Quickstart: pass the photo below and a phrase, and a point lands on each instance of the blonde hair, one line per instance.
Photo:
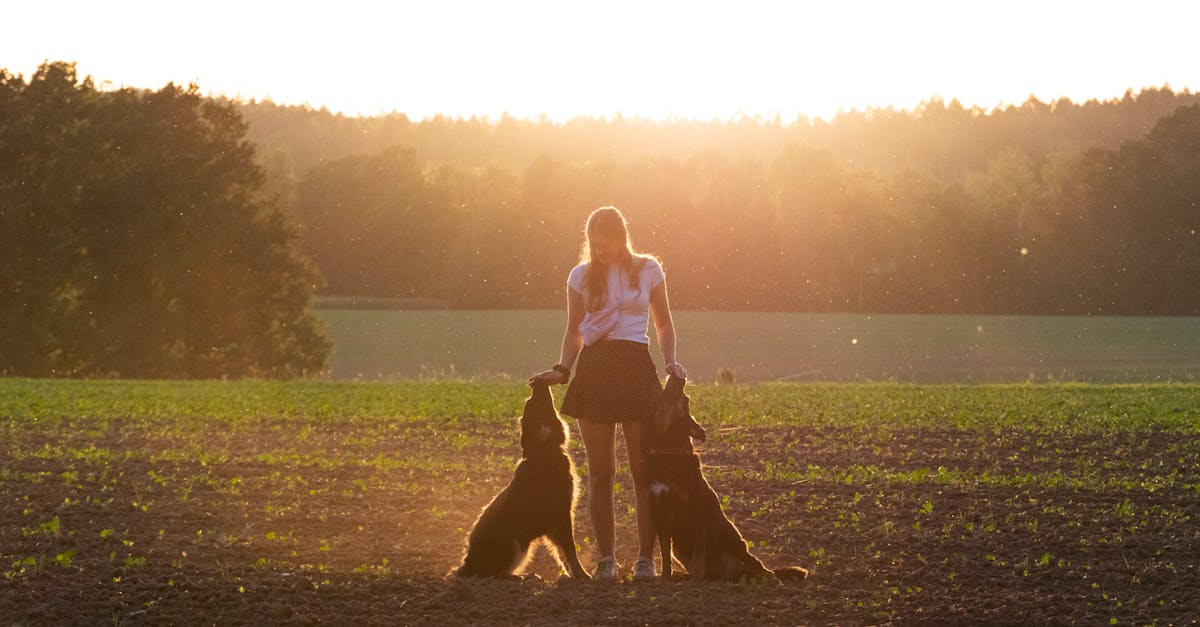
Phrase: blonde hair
(610, 223)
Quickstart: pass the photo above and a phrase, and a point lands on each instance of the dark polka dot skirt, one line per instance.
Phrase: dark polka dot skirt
(615, 381)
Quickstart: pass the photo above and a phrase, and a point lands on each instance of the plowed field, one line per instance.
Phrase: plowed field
(231, 503)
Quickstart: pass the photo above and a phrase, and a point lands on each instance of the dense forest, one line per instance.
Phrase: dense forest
(1049, 208)
(167, 234)
(138, 238)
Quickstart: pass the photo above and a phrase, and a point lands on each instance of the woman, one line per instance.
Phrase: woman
(610, 296)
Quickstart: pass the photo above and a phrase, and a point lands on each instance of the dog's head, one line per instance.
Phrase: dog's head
(542, 431)
(673, 425)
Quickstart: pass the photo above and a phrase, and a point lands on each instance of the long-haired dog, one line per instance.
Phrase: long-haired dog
(687, 513)
(538, 502)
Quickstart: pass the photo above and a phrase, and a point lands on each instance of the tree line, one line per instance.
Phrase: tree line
(160, 233)
(138, 238)
(943, 138)
(1037, 209)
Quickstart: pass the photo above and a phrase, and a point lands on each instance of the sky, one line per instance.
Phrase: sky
(645, 58)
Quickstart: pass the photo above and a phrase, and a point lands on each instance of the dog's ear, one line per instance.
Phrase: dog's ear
(694, 428)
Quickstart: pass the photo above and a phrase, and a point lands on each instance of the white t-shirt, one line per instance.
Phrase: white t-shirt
(634, 308)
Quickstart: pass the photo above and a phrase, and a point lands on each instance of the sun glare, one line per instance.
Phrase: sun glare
(654, 60)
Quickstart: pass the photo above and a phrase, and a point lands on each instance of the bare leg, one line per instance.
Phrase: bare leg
(599, 441)
(641, 488)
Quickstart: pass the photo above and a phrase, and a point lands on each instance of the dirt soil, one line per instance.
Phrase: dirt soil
(251, 535)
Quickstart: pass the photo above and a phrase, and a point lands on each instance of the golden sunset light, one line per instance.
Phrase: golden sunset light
(692, 60)
(550, 312)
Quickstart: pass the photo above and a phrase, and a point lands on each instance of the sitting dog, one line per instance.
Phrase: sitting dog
(538, 502)
(687, 513)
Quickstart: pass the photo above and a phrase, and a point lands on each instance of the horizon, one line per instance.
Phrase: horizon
(661, 61)
(738, 116)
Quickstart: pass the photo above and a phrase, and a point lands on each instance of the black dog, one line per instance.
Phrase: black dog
(539, 501)
(687, 513)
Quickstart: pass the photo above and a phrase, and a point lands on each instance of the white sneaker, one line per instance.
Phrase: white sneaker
(606, 568)
(643, 570)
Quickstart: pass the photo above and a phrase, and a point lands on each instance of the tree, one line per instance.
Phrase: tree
(947, 209)
(374, 225)
(1162, 174)
(144, 245)
(1004, 197)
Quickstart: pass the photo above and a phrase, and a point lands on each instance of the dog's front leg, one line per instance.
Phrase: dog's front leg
(700, 554)
(664, 543)
(563, 538)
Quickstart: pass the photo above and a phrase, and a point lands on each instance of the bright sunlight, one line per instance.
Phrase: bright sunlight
(664, 59)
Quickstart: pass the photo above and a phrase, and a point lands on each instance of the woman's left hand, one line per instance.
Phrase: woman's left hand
(550, 377)
(677, 370)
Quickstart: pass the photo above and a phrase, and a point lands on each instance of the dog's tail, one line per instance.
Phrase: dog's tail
(791, 573)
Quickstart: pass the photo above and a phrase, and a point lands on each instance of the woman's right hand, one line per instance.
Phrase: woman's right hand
(552, 377)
